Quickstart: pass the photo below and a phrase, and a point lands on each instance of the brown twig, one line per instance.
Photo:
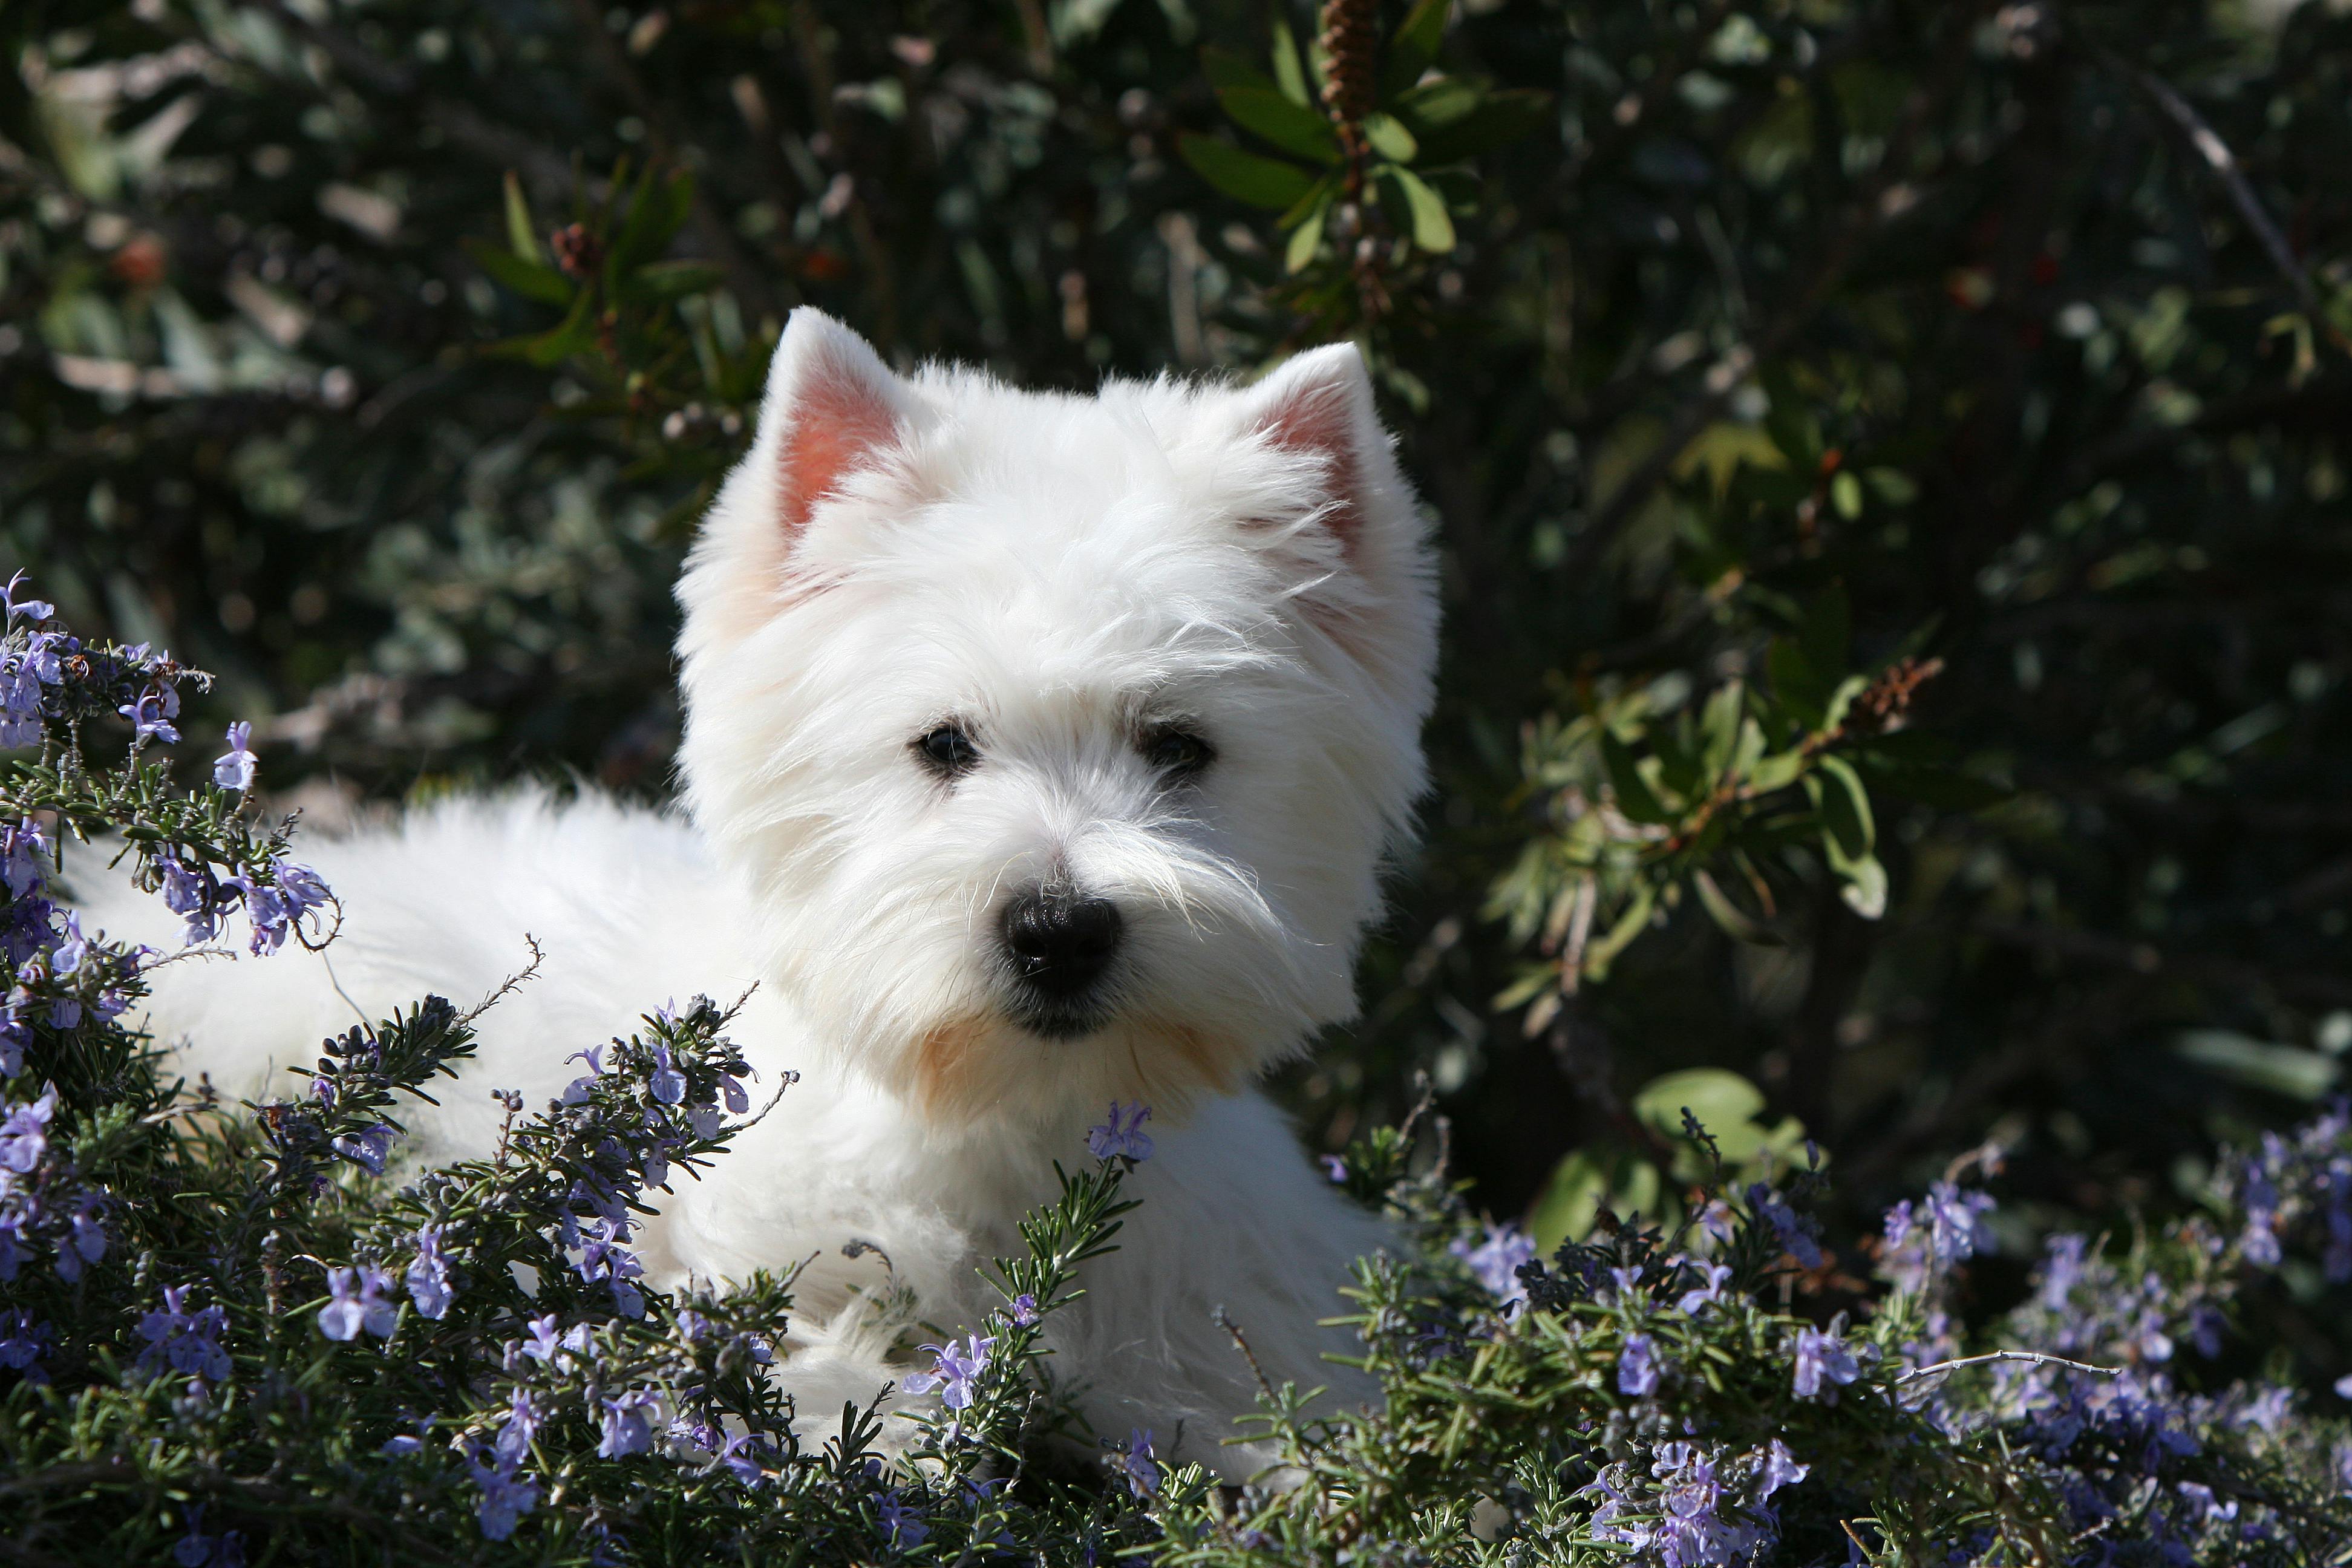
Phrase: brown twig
(2217, 155)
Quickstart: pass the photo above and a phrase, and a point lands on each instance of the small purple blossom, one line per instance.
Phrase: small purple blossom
(34, 610)
(901, 1526)
(1795, 1233)
(72, 952)
(1136, 1464)
(1823, 1358)
(24, 1133)
(357, 1302)
(24, 1340)
(1122, 1137)
(429, 1285)
(151, 714)
(234, 768)
(507, 1497)
(625, 1423)
(1022, 1309)
(1637, 1371)
(1496, 1261)
(1716, 1276)
(955, 1366)
(85, 1239)
(667, 1084)
(1780, 1469)
(524, 1419)
(197, 1549)
(368, 1148)
(187, 1342)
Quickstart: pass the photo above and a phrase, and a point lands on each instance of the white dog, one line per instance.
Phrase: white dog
(1040, 750)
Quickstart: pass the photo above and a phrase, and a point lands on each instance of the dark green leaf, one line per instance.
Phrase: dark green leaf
(1245, 176)
(532, 280)
(1635, 799)
(1294, 129)
(1413, 46)
(1225, 68)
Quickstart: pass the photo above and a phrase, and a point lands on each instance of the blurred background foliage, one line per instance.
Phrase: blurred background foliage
(1890, 458)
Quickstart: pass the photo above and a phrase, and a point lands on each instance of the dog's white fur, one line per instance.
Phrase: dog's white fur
(1058, 575)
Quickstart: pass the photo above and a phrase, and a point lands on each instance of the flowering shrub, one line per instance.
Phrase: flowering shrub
(227, 1335)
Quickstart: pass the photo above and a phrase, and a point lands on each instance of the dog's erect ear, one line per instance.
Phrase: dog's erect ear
(1319, 404)
(832, 407)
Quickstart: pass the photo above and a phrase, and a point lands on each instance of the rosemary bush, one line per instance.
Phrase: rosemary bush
(228, 1336)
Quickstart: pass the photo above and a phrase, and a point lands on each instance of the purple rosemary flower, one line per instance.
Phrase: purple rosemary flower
(955, 1366)
(24, 1133)
(1796, 1236)
(1022, 1309)
(234, 768)
(667, 1084)
(300, 889)
(190, 895)
(71, 952)
(545, 1345)
(740, 1456)
(187, 1343)
(1135, 1463)
(85, 1240)
(605, 1258)
(34, 610)
(1780, 1469)
(21, 844)
(1496, 1261)
(368, 1148)
(197, 1549)
(1122, 1137)
(357, 1302)
(576, 1092)
(429, 1277)
(1716, 1275)
(739, 1102)
(625, 1423)
(506, 1496)
(2062, 1268)
(901, 1526)
(1820, 1357)
(151, 716)
(24, 1340)
(524, 1419)
(1637, 1371)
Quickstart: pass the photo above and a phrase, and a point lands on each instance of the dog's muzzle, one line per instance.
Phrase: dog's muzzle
(1059, 945)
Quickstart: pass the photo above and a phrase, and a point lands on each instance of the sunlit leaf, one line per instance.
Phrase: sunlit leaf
(1432, 230)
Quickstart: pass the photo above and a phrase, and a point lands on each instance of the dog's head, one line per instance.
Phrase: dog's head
(1062, 737)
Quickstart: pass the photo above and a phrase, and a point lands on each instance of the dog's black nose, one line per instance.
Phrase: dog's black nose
(1061, 941)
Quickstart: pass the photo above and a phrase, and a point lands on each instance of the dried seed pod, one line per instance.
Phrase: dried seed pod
(1350, 52)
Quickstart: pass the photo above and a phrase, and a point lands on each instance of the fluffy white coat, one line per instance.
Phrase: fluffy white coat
(1060, 578)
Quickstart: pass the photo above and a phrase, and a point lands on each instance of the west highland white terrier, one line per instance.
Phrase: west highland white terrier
(1040, 752)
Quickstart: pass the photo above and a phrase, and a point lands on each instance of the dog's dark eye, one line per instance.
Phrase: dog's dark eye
(1177, 753)
(947, 752)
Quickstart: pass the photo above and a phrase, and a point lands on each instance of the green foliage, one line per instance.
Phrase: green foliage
(1774, 346)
